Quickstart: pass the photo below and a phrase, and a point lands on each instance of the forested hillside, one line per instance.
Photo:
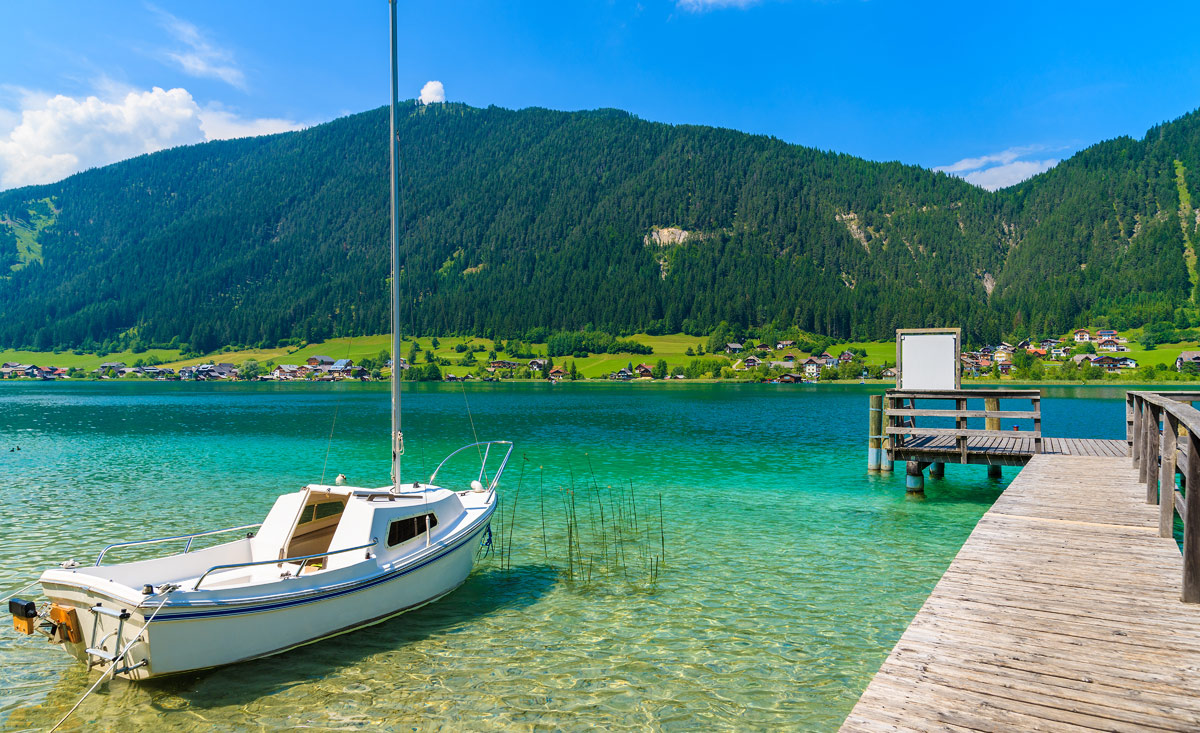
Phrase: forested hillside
(519, 219)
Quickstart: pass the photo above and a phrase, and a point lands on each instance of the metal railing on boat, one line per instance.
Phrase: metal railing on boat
(188, 537)
(374, 541)
(483, 460)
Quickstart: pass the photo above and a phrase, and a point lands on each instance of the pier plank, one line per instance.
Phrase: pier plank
(1061, 612)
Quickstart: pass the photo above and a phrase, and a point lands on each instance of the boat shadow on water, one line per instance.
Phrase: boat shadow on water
(486, 592)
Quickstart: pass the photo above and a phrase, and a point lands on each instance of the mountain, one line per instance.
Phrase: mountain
(514, 220)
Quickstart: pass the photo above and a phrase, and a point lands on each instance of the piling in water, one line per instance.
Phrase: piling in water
(875, 434)
(915, 480)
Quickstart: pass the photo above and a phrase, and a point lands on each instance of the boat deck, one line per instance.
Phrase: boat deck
(1061, 612)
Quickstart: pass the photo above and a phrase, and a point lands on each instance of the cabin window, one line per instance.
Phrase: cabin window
(403, 530)
(313, 512)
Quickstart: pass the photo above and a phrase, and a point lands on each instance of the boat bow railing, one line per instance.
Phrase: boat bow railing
(300, 558)
(188, 537)
(482, 462)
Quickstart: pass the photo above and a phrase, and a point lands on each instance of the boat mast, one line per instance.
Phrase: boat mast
(397, 435)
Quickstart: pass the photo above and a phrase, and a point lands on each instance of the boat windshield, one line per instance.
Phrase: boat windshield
(315, 526)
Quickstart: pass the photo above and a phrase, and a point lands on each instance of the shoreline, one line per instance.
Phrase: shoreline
(966, 384)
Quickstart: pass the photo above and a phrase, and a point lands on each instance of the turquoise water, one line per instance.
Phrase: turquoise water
(789, 571)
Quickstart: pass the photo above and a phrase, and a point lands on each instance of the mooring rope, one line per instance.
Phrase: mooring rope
(19, 590)
(170, 588)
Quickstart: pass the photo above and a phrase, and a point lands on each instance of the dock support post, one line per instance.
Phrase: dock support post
(937, 470)
(1166, 481)
(994, 471)
(1153, 449)
(991, 404)
(1191, 523)
(915, 480)
(886, 464)
(875, 434)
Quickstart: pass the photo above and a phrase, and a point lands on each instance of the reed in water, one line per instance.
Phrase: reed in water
(602, 534)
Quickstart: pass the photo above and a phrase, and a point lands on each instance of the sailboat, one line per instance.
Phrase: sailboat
(326, 560)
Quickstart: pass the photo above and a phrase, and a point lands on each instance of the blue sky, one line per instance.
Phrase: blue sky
(990, 91)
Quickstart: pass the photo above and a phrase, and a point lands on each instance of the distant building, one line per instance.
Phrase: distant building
(1082, 335)
(733, 348)
(1187, 357)
(320, 361)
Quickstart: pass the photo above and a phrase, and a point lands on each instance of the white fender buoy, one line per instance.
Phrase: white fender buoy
(476, 486)
(340, 480)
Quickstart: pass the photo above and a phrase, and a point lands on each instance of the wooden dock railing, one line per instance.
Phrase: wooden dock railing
(1164, 435)
(902, 411)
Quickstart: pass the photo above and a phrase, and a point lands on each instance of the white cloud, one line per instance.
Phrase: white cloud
(200, 57)
(1000, 170)
(221, 124)
(700, 6)
(433, 91)
(55, 136)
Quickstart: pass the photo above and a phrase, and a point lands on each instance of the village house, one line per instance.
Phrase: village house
(789, 378)
(645, 371)
(537, 364)
(623, 373)
(503, 364)
(1107, 363)
(285, 372)
(1187, 357)
(812, 367)
(780, 346)
(109, 366)
(789, 357)
(733, 348)
(888, 373)
(1106, 333)
(763, 347)
(557, 373)
(1108, 344)
(1081, 335)
(752, 361)
(317, 361)
(846, 357)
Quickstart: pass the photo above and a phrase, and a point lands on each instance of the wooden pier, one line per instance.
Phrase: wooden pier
(1069, 608)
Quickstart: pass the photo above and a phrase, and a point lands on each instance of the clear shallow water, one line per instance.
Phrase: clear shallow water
(790, 571)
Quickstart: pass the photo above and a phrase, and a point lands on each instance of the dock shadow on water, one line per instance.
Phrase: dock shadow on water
(209, 700)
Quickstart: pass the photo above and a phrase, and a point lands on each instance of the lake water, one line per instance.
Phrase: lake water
(789, 572)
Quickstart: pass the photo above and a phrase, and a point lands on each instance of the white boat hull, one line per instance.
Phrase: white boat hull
(180, 645)
(202, 636)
